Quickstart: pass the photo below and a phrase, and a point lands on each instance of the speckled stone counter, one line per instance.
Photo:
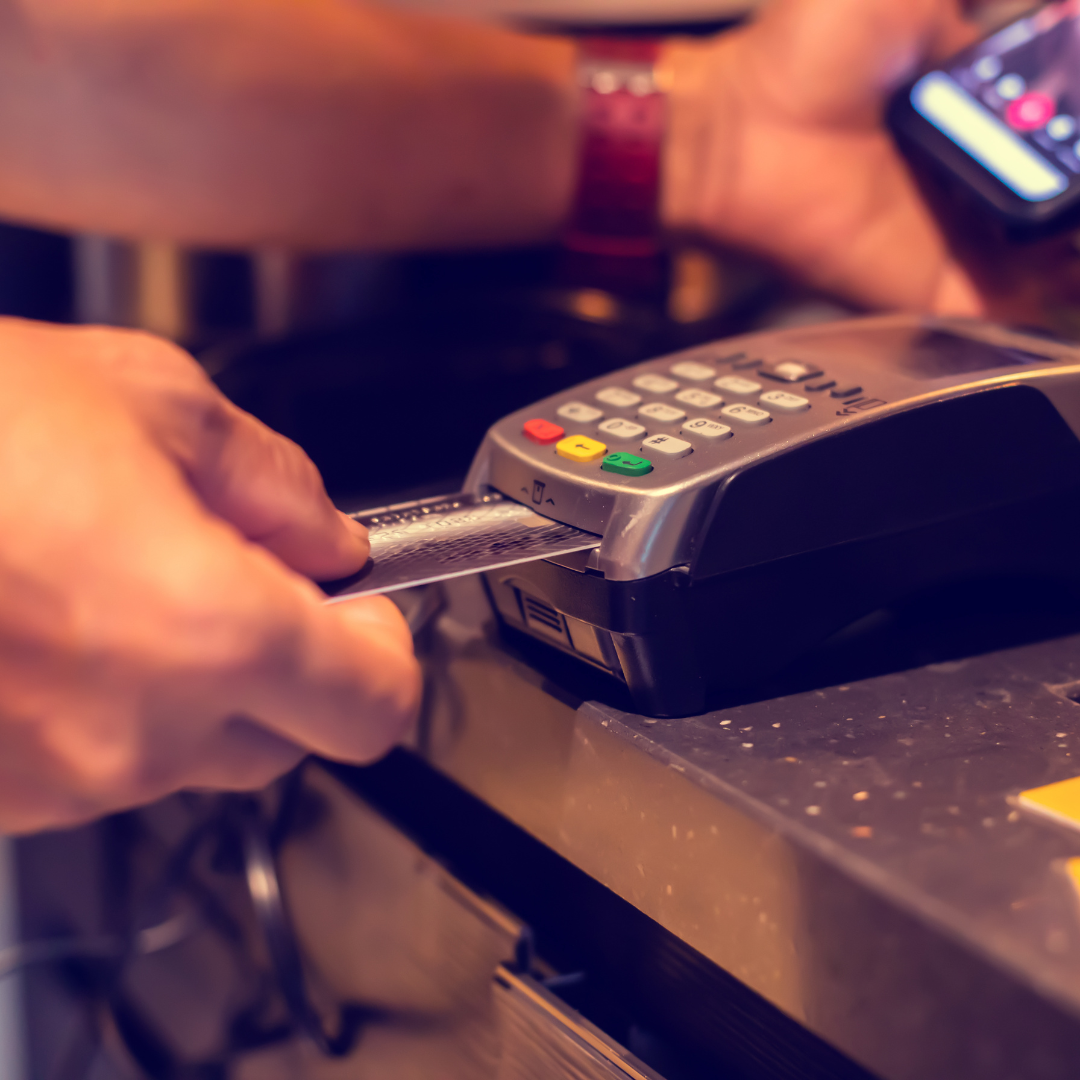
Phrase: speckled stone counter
(852, 853)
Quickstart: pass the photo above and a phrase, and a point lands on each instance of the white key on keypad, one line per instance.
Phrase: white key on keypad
(666, 414)
(655, 384)
(706, 429)
(692, 370)
(579, 412)
(785, 402)
(734, 384)
(617, 428)
(746, 414)
(667, 445)
(700, 399)
(618, 396)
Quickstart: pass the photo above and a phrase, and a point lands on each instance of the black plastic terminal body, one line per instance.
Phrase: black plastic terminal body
(801, 545)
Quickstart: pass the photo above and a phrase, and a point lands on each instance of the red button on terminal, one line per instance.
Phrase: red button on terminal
(542, 431)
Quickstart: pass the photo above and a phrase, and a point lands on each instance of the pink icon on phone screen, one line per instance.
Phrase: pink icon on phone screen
(1030, 111)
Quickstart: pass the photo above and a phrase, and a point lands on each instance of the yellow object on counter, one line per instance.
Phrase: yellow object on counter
(1059, 802)
(1072, 870)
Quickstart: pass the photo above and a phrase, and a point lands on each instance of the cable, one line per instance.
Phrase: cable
(270, 912)
(239, 838)
(165, 935)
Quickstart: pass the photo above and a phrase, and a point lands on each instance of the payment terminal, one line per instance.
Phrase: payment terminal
(750, 497)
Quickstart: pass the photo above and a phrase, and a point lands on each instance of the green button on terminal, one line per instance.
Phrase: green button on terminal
(626, 465)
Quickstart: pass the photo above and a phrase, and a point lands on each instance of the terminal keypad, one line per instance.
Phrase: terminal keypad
(631, 418)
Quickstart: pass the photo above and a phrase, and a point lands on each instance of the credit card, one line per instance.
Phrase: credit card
(452, 535)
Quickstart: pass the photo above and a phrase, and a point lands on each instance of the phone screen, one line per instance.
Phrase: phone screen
(1012, 102)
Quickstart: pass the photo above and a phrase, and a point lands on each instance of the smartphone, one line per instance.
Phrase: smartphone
(1003, 118)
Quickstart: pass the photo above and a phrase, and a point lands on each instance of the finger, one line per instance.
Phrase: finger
(259, 481)
(338, 680)
(267, 487)
(243, 756)
(378, 615)
(257, 673)
(337, 709)
(853, 223)
(881, 246)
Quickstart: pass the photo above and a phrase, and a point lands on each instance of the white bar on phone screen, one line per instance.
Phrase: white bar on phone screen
(951, 109)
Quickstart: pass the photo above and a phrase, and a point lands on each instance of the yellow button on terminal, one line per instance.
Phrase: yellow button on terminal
(580, 448)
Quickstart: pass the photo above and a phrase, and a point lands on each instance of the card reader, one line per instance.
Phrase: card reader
(755, 495)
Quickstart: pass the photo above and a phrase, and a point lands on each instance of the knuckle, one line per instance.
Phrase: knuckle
(140, 358)
(204, 610)
(290, 460)
(213, 419)
(115, 343)
(214, 637)
(94, 756)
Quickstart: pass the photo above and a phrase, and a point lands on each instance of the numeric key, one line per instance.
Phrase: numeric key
(665, 414)
(579, 412)
(736, 384)
(750, 415)
(692, 370)
(707, 429)
(667, 446)
(617, 428)
(785, 402)
(700, 399)
(618, 396)
(655, 384)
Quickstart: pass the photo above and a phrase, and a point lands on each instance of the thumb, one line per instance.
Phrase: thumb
(267, 487)
(347, 687)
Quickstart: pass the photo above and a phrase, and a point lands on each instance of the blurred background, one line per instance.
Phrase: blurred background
(332, 349)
